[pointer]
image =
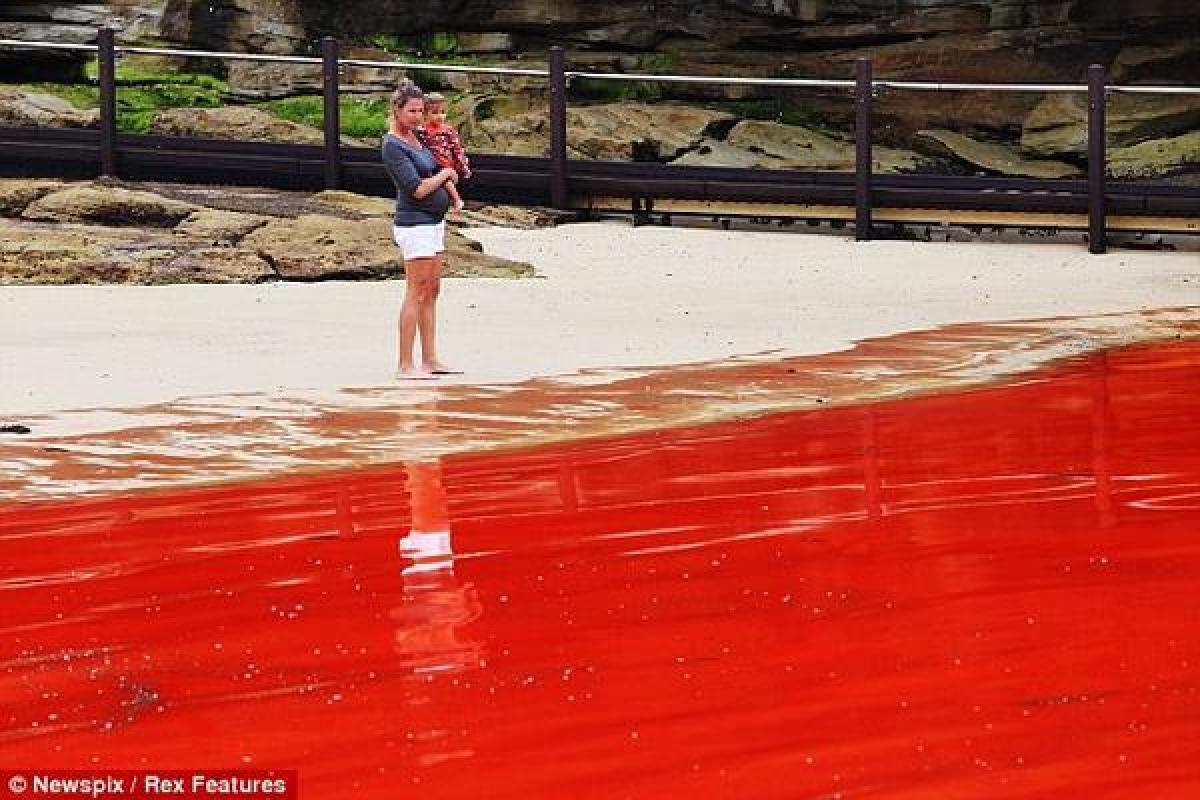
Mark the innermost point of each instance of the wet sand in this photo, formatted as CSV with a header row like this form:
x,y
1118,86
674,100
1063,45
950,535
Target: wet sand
x,y
982,594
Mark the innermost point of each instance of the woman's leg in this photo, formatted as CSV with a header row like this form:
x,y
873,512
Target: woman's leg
x,y
427,321
421,278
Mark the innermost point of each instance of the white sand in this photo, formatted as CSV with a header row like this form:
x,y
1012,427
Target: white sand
x,y
612,295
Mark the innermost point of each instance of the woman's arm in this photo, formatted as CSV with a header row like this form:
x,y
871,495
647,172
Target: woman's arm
x,y
434,182
404,174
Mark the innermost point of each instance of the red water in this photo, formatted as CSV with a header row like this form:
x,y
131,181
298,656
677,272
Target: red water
x,y
991,594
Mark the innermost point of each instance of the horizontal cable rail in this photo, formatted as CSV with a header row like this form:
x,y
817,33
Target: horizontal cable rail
x,y
163,51
278,59
934,86
535,73
938,86
1155,89
47,45
715,80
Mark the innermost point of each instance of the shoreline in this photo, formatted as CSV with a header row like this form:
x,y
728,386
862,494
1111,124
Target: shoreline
x,y
608,296
628,329
240,438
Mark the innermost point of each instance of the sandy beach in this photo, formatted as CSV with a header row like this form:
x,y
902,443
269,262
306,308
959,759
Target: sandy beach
x,y
628,329
610,295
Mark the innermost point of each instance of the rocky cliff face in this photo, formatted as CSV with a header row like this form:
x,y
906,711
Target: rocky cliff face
x,y
950,40
73,23
748,24
1147,41
1007,40
1043,36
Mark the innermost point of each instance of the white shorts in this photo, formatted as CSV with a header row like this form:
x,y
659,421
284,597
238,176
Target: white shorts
x,y
420,241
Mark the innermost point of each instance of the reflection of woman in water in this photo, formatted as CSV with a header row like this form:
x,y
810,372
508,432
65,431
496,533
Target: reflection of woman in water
x,y
435,603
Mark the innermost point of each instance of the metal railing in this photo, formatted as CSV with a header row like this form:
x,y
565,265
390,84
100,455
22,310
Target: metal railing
x,y
865,88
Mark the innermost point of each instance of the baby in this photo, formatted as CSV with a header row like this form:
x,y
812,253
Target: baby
x,y
443,141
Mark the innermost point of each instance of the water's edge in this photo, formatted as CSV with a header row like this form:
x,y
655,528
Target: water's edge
x,y
219,439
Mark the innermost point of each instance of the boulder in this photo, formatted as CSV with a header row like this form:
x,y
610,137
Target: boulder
x,y
795,147
210,265
107,206
368,79
611,132
32,253
276,27
1155,158
17,193
22,108
234,122
268,80
994,157
716,153
1058,125
315,247
1175,62
264,80
39,253
487,42
219,227
496,122
49,244
355,203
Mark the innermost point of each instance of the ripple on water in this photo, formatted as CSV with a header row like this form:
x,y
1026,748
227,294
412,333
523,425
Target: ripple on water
x,y
989,594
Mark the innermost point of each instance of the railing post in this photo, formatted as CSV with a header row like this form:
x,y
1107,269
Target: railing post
x,y
106,73
558,128
1097,158
333,122
863,99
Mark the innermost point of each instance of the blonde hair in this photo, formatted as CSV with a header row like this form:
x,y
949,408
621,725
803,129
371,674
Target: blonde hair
x,y
435,99
407,90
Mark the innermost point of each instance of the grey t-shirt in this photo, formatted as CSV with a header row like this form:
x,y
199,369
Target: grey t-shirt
x,y
408,166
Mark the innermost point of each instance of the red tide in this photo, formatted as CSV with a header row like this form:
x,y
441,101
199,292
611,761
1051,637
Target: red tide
x,y
985,594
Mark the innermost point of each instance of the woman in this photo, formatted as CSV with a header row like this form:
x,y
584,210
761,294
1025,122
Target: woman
x,y
419,229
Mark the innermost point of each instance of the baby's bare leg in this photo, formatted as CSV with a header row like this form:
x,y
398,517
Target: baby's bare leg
x,y
455,197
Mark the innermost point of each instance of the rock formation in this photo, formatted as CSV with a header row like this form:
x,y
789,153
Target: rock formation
x,y
72,23
53,232
1140,41
20,108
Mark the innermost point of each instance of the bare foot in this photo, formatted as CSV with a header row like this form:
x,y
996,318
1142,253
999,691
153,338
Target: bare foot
x,y
414,374
438,368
